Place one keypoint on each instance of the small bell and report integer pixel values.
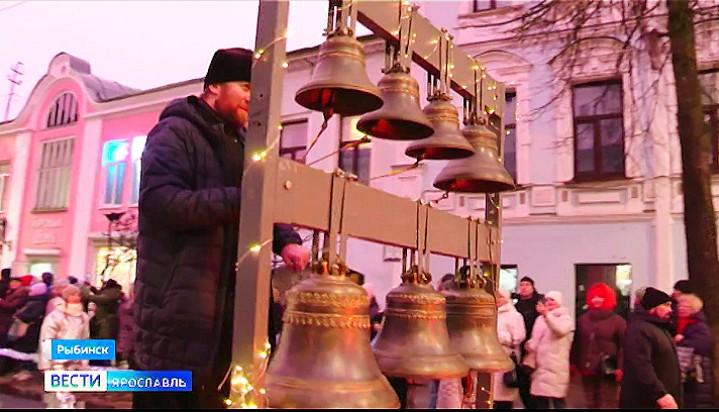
(480, 173)
(447, 142)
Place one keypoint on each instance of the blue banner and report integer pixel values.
(82, 349)
(149, 381)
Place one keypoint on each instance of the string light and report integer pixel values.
(255, 248)
(285, 65)
(259, 155)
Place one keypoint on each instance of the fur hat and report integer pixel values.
(229, 65)
(555, 296)
(683, 286)
(604, 291)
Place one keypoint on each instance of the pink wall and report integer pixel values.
(52, 230)
(7, 149)
(123, 127)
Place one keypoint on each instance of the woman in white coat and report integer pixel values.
(549, 346)
(511, 333)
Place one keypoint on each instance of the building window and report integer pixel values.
(293, 140)
(510, 139)
(138, 146)
(482, 5)
(598, 131)
(354, 154)
(63, 111)
(114, 156)
(4, 184)
(709, 81)
(54, 175)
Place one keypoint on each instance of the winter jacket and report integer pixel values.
(528, 309)
(33, 313)
(187, 244)
(651, 367)
(550, 344)
(698, 393)
(65, 322)
(106, 304)
(599, 333)
(14, 300)
(510, 331)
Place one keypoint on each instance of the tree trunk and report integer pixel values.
(699, 217)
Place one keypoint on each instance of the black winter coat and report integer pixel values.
(528, 309)
(651, 367)
(697, 335)
(187, 244)
(33, 313)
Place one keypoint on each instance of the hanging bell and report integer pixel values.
(324, 359)
(472, 325)
(400, 118)
(339, 82)
(447, 141)
(414, 342)
(481, 173)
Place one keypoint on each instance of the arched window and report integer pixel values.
(63, 111)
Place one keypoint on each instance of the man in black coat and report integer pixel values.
(189, 208)
(527, 300)
(652, 377)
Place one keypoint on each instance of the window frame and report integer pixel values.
(65, 178)
(121, 181)
(4, 185)
(293, 150)
(136, 170)
(63, 111)
(356, 150)
(713, 111)
(595, 120)
(507, 127)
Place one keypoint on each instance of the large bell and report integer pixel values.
(401, 117)
(324, 359)
(414, 342)
(340, 81)
(481, 173)
(472, 325)
(447, 141)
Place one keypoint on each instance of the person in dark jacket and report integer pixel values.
(4, 281)
(107, 302)
(189, 209)
(652, 377)
(32, 313)
(598, 348)
(526, 305)
(125, 328)
(694, 332)
(14, 300)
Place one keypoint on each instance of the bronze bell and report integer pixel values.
(472, 325)
(339, 82)
(481, 173)
(447, 141)
(414, 342)
(401, 117)
(324, 359)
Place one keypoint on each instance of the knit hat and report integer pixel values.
(505, 294)
(604, 291)
(527, 279)
(38, 289)
(653, 298)
(554, 295)
(27, 280)
(229, 65)
(683, 286)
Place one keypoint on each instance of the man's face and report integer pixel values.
(233, 102)
(684, 310)
(526, 289)
(662, 311)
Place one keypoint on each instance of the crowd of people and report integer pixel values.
(34, 311)
(661, 357)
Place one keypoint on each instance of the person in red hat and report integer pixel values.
(189, 210)
(27, 280)
(598, 348)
